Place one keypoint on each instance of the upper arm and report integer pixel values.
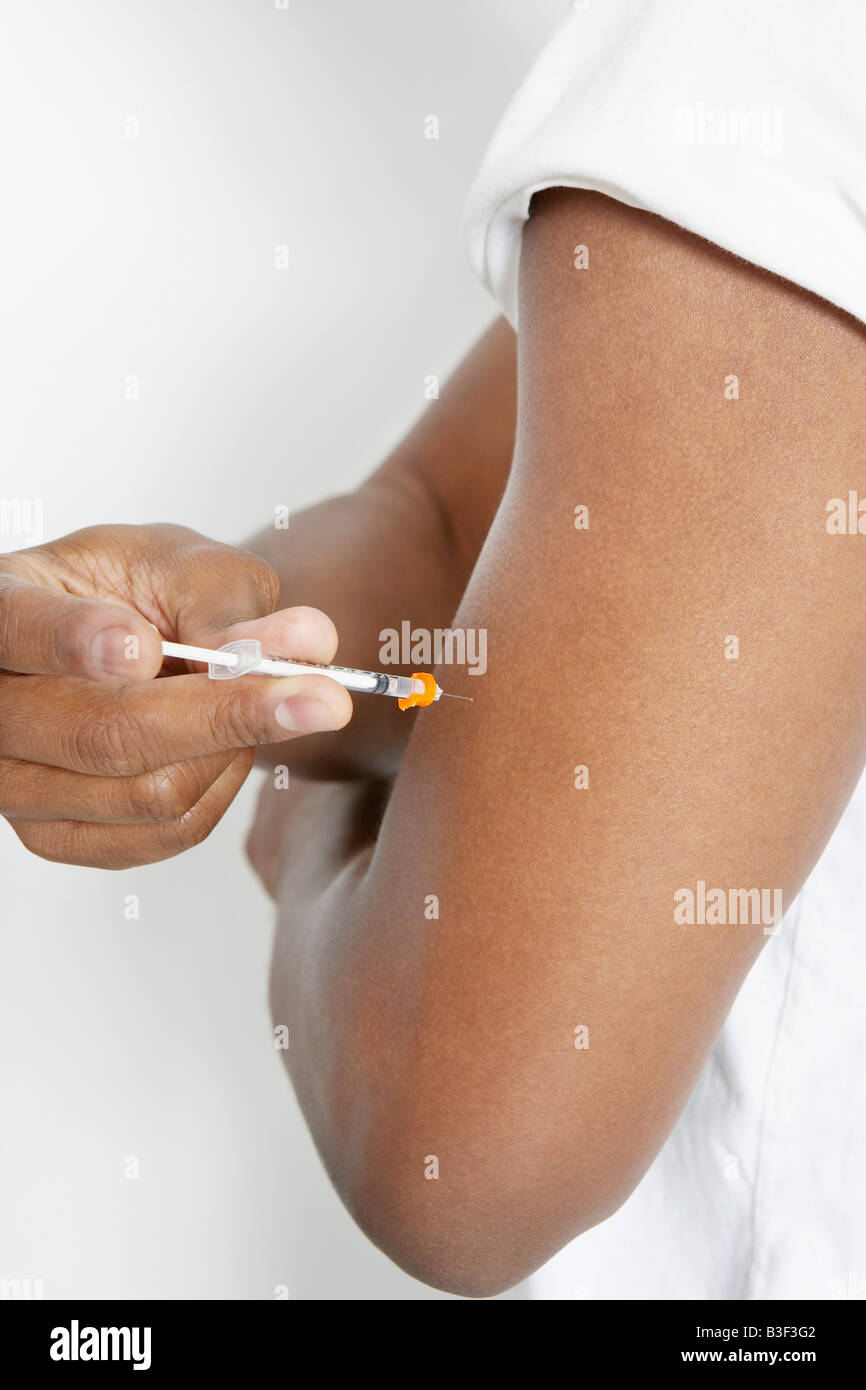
(609, 648)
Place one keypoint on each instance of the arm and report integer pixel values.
(454, 1037)
(402, 546)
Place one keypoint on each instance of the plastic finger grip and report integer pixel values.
(249, 654)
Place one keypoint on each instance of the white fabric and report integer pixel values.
(741, 120)
(745, 122)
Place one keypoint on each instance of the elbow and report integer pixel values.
(472, 1241)
(454, 1267)
(450, 1261)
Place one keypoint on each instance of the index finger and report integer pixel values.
(129, 729)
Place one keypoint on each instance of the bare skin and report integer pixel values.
(452, 1036)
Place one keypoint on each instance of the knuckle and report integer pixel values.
(71, 642)
(16, 629)
(190, 829)
(264, 579)
(234, 722)
(165, 794)
(238, 576)
(105, 740)
(8, 769)
(8, 627)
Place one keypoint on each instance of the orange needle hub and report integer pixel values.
(420, 697)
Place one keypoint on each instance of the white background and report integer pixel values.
(154, 258)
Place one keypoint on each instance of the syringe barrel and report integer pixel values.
(402, 686)
(375, 682)
(367, 682)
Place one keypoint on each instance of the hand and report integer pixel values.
(102, 765)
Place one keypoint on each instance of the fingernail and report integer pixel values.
(302, 715)
(114, 651)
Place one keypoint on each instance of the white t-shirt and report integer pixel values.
(744, 122)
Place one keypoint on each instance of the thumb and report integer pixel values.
(47, 632)
(231, 594)
(217, 588)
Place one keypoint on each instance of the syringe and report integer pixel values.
(245, 658)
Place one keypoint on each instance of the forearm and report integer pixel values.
(403, 545)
